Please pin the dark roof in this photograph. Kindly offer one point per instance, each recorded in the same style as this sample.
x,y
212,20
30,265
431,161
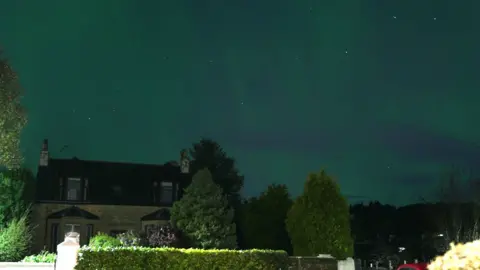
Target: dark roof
x,y
113,169
161,214
73,211
108,182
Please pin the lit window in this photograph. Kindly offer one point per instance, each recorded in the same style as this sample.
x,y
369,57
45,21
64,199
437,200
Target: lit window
x,y
73,189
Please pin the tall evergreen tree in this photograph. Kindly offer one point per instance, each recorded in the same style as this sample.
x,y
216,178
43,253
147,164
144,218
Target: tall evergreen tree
x,y
203,214
263,219
319,220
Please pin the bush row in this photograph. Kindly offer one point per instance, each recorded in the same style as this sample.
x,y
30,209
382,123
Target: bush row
x,y
133,258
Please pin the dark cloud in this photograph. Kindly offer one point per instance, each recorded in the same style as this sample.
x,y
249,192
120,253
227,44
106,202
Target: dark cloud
x,y
303,142
422,145
418,179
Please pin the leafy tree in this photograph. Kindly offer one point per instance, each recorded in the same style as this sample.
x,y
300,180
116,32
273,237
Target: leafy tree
x,y
203,214
12,116
12,204
319,220
263,219
163,236
15,239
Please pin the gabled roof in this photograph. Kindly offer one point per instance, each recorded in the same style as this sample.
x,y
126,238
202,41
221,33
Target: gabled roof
x,y
73,211
161,214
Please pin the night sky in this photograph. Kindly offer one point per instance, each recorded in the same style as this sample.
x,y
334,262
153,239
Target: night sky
x,y
383,94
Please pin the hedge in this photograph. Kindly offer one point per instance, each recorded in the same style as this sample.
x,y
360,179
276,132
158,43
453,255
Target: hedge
x,y
141,258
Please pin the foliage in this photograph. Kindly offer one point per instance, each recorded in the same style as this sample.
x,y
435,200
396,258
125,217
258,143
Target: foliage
x,y
203,214
459,257
42,257
15,239
319,220
179,259
26,177
163,236
12,204
209,154
12,116
263,219
129,239
102,240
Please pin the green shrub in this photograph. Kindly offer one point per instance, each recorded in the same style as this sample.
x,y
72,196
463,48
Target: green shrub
x,y
139,258
130,239
102,240
15,240
42,257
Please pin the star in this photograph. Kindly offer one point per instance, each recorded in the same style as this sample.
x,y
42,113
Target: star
x,y
434,19
89,118
346,51
394,17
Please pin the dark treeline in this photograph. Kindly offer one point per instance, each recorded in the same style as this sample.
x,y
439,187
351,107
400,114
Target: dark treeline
x,y
417,231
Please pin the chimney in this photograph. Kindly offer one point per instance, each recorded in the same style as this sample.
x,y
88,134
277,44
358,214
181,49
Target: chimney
x,y
44,154
184,162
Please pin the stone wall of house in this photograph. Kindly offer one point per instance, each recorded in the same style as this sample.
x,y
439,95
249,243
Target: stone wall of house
x,y
112,217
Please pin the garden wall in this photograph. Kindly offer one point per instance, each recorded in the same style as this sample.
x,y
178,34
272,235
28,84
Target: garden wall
x,y
21,265
319,263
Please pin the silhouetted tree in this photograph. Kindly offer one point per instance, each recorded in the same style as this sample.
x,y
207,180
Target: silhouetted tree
x,y
319,220
12,116
263,219
203,214
209,154
458,218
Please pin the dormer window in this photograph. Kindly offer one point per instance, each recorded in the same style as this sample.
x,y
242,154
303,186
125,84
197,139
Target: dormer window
x,y
73,189
166,192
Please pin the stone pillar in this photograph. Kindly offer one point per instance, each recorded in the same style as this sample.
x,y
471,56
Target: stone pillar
x,y
67,252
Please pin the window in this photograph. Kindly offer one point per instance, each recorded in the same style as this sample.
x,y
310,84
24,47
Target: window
x,y
68,228
73,189
148,229
89,232
54,237
166,192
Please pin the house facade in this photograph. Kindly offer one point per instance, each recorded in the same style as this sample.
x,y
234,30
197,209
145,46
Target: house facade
x,y
87,197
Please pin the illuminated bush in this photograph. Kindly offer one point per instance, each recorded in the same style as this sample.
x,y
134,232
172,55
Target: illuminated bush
x,y
459,257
